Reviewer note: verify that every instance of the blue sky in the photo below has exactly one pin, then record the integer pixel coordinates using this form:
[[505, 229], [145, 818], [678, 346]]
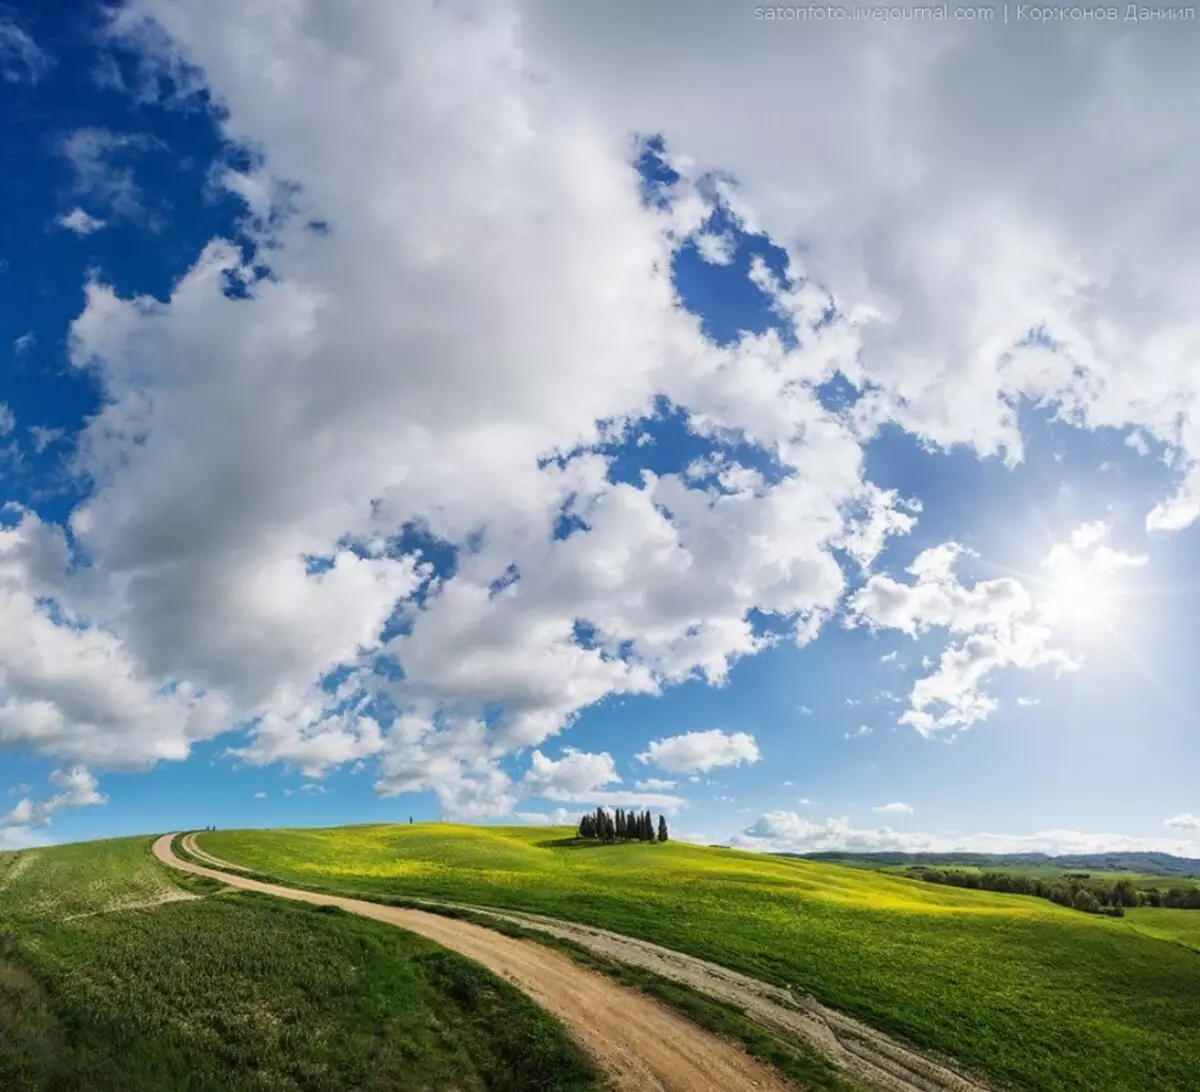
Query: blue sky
[[389, 433]]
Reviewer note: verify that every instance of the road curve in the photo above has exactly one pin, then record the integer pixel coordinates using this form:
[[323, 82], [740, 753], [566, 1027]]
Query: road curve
[[641, 1045]]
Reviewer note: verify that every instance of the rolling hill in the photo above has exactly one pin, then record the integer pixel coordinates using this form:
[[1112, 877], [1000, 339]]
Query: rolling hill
[[1031, 994]]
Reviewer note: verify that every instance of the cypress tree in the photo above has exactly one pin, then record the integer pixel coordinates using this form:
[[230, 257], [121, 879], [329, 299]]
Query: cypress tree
[[647, 827], [620, 824], [662, 828]]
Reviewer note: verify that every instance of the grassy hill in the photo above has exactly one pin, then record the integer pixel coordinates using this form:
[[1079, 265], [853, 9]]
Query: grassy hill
[[1037, 996], [113, 977]]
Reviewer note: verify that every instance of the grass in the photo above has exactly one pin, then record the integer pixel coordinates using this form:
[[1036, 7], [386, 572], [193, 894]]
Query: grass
[[1036, 996], [796, 1061], [1181, 926], [243, 992]]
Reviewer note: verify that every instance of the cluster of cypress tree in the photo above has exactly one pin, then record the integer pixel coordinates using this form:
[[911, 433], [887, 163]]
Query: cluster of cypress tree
[[622, 826]]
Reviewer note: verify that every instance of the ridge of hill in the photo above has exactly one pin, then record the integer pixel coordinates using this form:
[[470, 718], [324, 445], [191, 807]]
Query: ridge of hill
[[1151, 864]]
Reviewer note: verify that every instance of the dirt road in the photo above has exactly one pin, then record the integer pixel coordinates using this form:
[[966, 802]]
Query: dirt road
[[875, 1059], [639, 1043]]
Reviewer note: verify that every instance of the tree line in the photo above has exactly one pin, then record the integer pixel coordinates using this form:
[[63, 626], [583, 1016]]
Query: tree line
[[622, 826], [1078, 890]]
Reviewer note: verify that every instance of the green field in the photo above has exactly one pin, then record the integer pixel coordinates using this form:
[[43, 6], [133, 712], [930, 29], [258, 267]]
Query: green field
[[1181, 926], [240, 991], [1032, 994]]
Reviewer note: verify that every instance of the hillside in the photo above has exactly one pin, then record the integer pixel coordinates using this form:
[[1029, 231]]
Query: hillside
[[1148, 864], [117, 974], [1036, 996]]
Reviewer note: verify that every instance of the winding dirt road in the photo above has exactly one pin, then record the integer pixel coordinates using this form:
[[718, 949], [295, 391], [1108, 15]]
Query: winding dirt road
[[875, 1059], [642, 1045]]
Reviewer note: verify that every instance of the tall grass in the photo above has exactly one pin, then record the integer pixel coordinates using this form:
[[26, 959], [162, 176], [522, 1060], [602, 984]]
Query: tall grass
[[244, 992]]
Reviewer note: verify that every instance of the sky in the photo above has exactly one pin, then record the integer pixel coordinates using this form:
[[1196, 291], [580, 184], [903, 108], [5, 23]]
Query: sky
[[487, 412]]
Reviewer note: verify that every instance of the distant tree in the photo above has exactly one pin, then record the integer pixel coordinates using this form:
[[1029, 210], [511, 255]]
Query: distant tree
[[662, 828]]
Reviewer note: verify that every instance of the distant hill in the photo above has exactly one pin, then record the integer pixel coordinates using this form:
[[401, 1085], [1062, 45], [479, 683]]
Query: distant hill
[[1155, 864]]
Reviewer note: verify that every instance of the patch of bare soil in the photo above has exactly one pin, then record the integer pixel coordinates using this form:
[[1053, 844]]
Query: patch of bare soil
[[172, 894]]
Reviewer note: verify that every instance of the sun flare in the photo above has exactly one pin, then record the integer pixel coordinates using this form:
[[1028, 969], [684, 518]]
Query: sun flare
[[1079, 595]]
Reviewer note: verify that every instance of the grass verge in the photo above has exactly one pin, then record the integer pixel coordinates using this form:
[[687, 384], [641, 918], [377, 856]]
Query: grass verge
[[246, 992]]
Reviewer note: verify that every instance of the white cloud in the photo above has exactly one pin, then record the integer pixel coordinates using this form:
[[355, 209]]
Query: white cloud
[[24, 343], [889, 657], [1089, 534], [214, 588], [993, 624], [1186, 821], [260, 796], [1029, 701], [788, 784], [79, 790], [894, 808], [785, 831], [42, 437], [348, 396], [575, 773], [100, 160], [701, 751], [78, 221], [1107, 560], [859, 732], [655, 784], [851, 702], [72, 689], [715, 249], [804, 801], [21, 60], [8, 419], [944, 240], [804, 710]]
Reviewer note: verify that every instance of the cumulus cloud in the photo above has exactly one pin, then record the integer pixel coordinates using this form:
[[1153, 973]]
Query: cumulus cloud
[[698, 752], [79, 789], [560, 817], [579, 777], [264, 456], [1186, 821], [446, 359], [78, 221], [894, 808], [961, 313], [993, 624], [788, 832], [8, 419], [655, 784]]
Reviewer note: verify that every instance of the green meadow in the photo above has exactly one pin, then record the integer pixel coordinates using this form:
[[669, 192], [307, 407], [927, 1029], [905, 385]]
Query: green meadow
[[235, 991], [1031, 994]]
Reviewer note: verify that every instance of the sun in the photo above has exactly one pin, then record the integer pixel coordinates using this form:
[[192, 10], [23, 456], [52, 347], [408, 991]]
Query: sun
[[1079, 595]]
